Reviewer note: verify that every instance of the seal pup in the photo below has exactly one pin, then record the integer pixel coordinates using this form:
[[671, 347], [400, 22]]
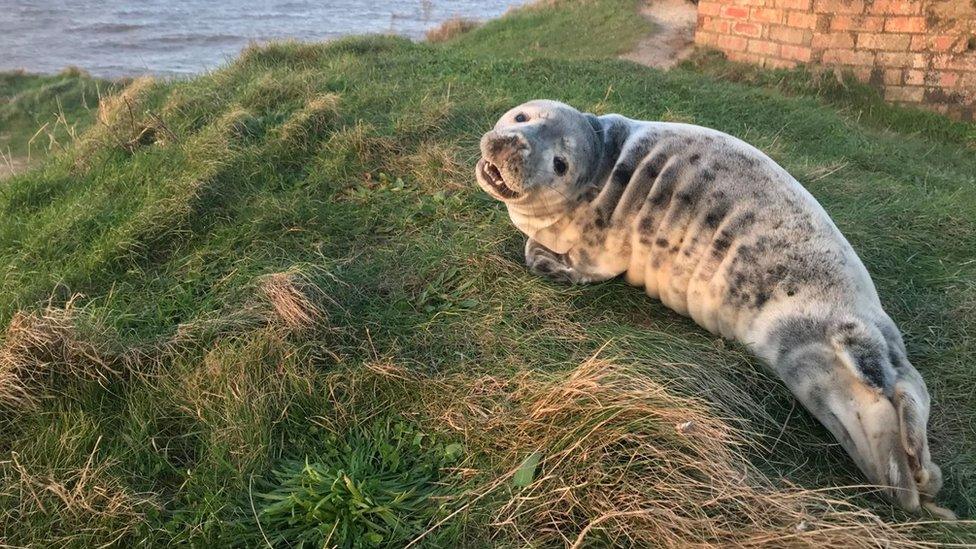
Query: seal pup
[[719, 232]]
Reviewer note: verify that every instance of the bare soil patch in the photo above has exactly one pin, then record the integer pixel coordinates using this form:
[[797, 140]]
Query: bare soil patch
[[673, 38], [10, 166]]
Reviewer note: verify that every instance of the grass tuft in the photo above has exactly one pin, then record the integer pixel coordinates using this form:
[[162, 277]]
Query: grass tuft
[[293, 299], [450, 29], [41, 350], [70, 505], [377, 487], [624, 461]]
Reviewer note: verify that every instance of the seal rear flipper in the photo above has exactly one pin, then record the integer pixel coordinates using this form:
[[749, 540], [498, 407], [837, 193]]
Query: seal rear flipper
[[856, 411], [879, 364]]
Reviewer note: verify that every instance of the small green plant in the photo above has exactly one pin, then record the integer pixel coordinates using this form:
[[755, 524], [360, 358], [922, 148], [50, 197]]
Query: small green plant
[[375, 488]]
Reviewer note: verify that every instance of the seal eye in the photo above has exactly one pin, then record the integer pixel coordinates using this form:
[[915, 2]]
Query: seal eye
[[559, 166], [520, 117]]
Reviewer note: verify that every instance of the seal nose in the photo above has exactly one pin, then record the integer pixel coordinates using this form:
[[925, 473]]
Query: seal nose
[[500, 147]]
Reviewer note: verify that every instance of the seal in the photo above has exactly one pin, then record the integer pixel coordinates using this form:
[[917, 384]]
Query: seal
[[719, 232]]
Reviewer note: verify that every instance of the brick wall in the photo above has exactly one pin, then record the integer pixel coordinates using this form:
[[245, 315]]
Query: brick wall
[[920, 52]]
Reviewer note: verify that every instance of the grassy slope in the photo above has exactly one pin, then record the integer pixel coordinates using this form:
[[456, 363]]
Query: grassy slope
[[43, 113], [286, 261]]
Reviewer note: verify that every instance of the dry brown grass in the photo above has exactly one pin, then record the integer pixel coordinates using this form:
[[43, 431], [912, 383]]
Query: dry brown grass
[[120, 120], [294, 300], [449, 29], [49, 343], [85, 503], [622, 461]]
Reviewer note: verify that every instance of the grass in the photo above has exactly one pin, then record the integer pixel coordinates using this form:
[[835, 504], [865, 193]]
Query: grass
[[269, 305], [40, 114]]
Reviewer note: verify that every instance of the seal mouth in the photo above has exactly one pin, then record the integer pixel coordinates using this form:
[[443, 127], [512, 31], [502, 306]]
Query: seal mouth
[[492, 176]]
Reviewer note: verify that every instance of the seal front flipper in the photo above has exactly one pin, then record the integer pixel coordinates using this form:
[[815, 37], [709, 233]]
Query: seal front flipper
[[547, 263]]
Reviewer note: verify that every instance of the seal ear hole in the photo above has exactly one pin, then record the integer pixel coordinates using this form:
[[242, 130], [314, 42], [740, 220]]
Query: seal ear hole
[[559, 165], [521, 117]]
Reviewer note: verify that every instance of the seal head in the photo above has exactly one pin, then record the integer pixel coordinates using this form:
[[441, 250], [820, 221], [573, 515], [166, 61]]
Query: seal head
[[539, 154]]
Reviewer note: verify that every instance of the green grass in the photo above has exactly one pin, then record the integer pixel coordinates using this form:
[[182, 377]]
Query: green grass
[[39, 114], [238, 290]]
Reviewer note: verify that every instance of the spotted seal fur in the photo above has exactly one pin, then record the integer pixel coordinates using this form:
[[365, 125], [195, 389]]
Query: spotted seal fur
[[719, 232]]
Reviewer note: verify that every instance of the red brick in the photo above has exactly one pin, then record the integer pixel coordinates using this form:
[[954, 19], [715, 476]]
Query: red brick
[[801, 20], [943, 42], [954, 62], [909, 94], [759, 3], [914, 77], [731, 43], [839, 6], [747, 29], [720, 26], [768, 15], [905, 24], [907, 60], [764, 47], [735, 12], [873, 23], [790, 36], [705, 38], [892, 77], [836, 40], [948, 79], [919, 43], [863, 73], [708, 7], [848, 57], [803, 5], [743, 57], [889, 42], [774, 63], [797, 53], [896, 7], [968, 81]]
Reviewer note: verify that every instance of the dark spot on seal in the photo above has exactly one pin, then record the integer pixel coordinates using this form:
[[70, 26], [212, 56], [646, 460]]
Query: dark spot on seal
[[590, 194], [870, 364], [742, 159], [667, 180], [543, 266], [651, 170], [645, 224], [694, 158], [662, 242], [721, 244], [761, 299], [716, 214], [622, 173], [583, 259]]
